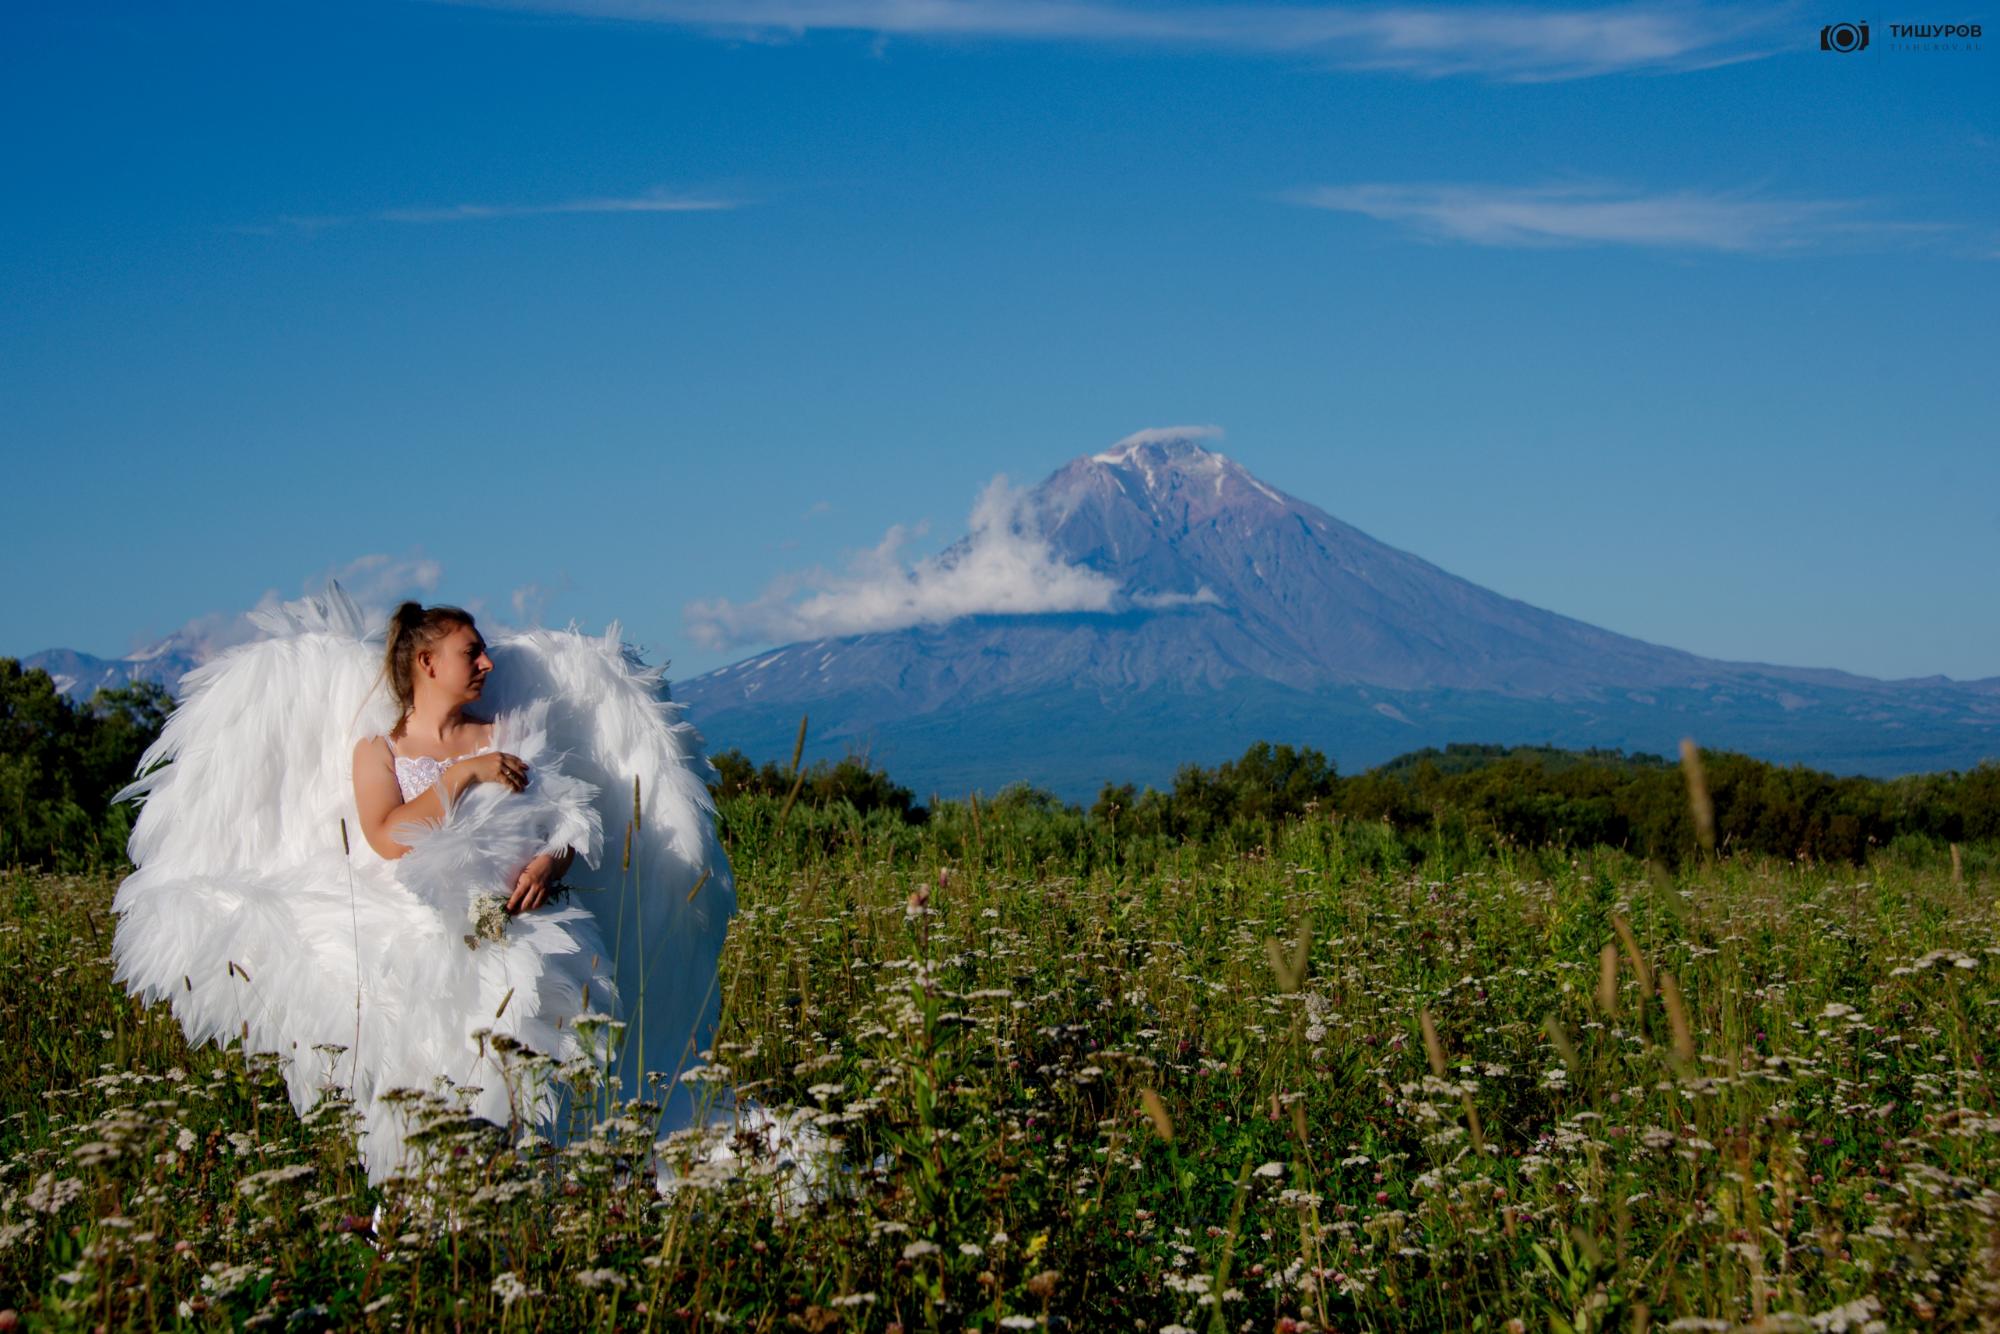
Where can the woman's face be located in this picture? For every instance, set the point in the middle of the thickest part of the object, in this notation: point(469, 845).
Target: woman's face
point(456, 665)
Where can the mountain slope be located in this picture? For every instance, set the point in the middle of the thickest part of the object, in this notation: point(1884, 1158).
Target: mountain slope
point(1246, 614)
point(79, 675)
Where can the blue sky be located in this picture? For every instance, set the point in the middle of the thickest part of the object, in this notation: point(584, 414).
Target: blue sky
point(1656, 316)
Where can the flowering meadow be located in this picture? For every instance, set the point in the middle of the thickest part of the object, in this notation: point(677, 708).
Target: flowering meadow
point(1329, 1078)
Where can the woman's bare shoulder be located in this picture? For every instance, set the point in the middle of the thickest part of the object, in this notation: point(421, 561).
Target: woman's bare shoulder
point(373, 745)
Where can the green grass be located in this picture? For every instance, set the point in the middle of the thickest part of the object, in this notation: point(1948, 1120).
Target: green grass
point(1830, 1146)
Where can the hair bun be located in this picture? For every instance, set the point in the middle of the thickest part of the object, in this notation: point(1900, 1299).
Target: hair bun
point(412, 628)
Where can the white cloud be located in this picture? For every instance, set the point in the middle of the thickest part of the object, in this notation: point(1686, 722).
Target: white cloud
point(1001, 567)
point(1201, 597)
point(1596, 213)
point(528, 601)
point(1160, 435)
point(382, 580)
point(1512, 43)
point(376, 582)
point(203, 636)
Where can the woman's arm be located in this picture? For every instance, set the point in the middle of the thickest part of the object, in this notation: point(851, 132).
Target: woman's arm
point(378, 798)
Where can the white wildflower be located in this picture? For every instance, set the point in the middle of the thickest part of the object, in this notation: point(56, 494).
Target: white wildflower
point(509, 1288)
point(49, 1195)
point(489, 918)
point(1856, 1316)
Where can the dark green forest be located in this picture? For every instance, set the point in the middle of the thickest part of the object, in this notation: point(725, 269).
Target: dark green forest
point(61, 763)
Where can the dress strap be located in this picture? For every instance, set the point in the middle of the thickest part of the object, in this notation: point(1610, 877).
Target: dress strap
point(391, 741)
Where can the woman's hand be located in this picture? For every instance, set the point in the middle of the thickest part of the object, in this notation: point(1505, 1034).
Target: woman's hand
point(493, 767)
point(531, 887)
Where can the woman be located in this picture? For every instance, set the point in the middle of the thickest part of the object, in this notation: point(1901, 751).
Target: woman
point(436, 665)
point(339, 863)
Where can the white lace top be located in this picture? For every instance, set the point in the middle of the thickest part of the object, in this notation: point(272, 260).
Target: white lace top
point(416, 773)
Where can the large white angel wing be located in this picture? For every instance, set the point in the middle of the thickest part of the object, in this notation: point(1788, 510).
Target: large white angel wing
point(668, 917)
point(260, 742)
point(243, 794)
point(666, 911)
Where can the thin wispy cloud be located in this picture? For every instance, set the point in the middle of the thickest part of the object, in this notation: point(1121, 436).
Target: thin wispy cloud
point(377, 582)
point(1153, 435)
point(1003, 566)
point(633, 204)
point(657, 202)
point(1595, 213)
point(531, 601)
point(1509, 43)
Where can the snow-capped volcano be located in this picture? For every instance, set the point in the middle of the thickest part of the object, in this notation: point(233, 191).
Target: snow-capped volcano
point(1242, 613)
point(1301, 598)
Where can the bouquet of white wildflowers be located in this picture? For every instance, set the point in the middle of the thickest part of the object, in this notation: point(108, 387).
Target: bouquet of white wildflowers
point(489, 919)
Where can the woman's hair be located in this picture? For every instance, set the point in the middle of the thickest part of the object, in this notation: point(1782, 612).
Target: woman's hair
point(412, 628)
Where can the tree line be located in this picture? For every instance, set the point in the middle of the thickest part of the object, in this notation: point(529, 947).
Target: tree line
point(1524, 796)
point(61, 762)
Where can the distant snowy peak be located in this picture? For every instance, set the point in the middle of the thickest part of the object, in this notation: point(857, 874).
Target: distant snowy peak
point(1130, 511)
point(1161, 442)
point(1173, 465)
point(79, 675)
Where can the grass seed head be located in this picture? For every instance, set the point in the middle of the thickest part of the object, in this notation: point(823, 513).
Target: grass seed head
point(1700, 805)
point(1559, 1037)
point(1640, 968)
point(1677, 1017)
point(1156, 1111)
point(1432, 1046)
point(1290, 971)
